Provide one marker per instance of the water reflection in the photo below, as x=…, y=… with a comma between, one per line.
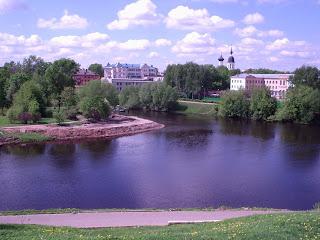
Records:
x=97, y=148
x=294, y=133
x=27, y=150
x=63, y=154
x=189, y=138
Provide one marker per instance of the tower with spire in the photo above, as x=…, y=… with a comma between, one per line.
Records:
x=220, y=59
x=231, y=62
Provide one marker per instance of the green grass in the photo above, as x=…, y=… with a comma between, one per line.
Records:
x=198, y=108
x=277, y=226
x=27, y=137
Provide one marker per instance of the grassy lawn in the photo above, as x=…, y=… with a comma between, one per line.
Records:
x=198, y=108
x=277, y=226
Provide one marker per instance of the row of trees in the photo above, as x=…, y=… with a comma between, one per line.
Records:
x=194, y=81
x=152, y=96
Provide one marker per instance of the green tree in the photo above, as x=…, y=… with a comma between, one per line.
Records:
x=129, y=98
x=97, y=68
x=234, y=104
x=70, y=101
x=95, y=108
x=34, y=64
x=28, y=104
x=262, y=104
x=302, y=105
x=15, y=82
x=4, y=75
x=307, y=76
x=60, y=75
x=104, y=90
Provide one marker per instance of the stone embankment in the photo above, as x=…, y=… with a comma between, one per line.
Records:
x=115, y=127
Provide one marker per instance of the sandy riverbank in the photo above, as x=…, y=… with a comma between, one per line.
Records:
x=115, y=127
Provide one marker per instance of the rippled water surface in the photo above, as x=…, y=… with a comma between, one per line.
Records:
x=193, y=162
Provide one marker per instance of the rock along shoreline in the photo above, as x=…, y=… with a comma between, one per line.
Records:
x=117, y=126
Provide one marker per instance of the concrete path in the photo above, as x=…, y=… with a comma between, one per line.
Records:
x=127, y=219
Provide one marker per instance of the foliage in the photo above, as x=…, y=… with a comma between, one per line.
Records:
x=101, y=89
x=193, y=80
x=293, y=226
x=97, y=68
x=234, y=104
x=302, y=104
x=95, y=108
x=30, y=137
x=28, y=104
x=69, y=102
x=129, y=98
x=199, y=108
x=153, y=96
x=4, y=75
x=34, y=65
x=59, y=116
x=263, y=71
x=15, y=82
x=60, y=75
x=307, y=76
x=262, y=105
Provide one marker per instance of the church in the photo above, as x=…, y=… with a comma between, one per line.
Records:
x=231, y=62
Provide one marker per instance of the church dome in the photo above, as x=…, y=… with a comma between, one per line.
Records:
x=221, y=59
x=231, y=59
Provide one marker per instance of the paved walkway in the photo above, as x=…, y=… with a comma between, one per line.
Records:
x=126, y=219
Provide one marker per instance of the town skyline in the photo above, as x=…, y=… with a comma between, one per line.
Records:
x=162, y=33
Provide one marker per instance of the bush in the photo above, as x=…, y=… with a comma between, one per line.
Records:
x=59, y=116
x=262, y=105
x=302, y=104
x=95, y=108
x=129, y=98
x=234, y=104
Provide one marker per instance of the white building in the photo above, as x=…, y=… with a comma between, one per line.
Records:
x=277, y=83
x=123, y=75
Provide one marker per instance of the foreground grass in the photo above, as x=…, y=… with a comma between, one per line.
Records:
x=25, y=137
x=277, y=226
x=199, y=108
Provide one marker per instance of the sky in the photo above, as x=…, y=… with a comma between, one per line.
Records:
x=277, y=34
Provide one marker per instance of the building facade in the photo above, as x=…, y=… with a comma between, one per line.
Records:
x=277, y=83
x=83, y=76
x=124, y=75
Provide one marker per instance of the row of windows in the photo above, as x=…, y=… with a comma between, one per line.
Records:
x=281, y=82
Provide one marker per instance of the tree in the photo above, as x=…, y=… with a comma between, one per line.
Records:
x=94, y=102
x=302, y=105
x=263, y=71
x=262, y=105
x=234, y=104
x=102, y=89
x=129, y=98
x=69, y=100
x=28, y=104
x=60, y=75
x=15, y=82
x=97, y=68
x=34, y=64
x=95, y=108
x=4, y=75
x=307, y=76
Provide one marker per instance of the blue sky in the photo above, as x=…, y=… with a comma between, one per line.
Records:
x=278, y=34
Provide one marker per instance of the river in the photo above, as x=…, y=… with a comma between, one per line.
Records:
x=191, y=163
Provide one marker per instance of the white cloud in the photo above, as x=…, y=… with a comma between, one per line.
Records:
x=246, y=32
x=12, y=40
x=134, y=44
x=65, y=22
x=194, y=43
x=254, y=18
x=251, y=41
x=87, y=41
x=9, y=5
x=253, y=31
x=153, y=55
x=278, y=44
x=186, y=18
x=162, y=42
x=141, y=12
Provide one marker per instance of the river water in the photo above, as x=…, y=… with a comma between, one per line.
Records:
x=192, y=162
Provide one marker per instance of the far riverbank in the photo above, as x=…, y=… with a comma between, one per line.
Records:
x=115, y=127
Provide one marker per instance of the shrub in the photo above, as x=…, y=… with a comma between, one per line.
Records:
x=262, y=104
x=129, y=98
x=95, y=108
x=59, y=116
x=234, y=104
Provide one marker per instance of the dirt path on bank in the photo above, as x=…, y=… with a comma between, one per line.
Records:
x=128, y=219
x=116, y=127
